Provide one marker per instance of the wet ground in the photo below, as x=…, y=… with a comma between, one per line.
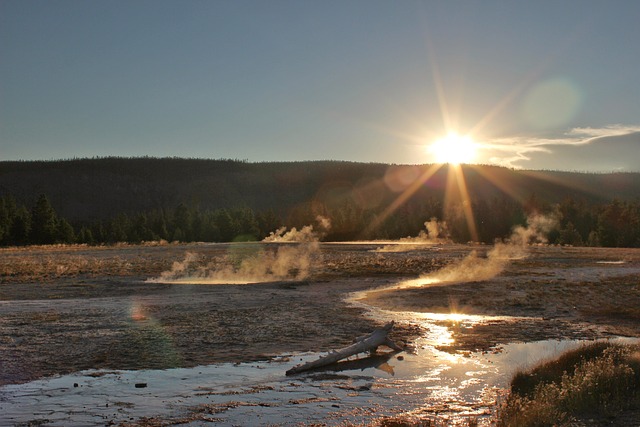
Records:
x=64, y=310
x=424, y=384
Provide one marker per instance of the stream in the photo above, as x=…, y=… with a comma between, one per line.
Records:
x=423, y=382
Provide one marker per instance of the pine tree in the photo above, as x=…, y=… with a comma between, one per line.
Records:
x=85, y=236
x=226, y=225
x=5, y=225
x=43, y=222
x=20, y=227
x=65, y=232
x=182, y=220
x=268, y=221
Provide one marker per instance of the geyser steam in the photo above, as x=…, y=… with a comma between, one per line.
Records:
x=244, y=265
x=285, y=263
x=305, y=234
x=435, y=232
x=475, y=268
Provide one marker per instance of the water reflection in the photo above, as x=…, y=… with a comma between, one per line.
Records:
x=439, y=327
x=429, y=383
x=378, y=361
x=457, y=384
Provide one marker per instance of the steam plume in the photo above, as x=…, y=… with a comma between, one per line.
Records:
x=288, y=262
x=305, y=234
x=435, y=232
x=285, y=263
x=475, y=268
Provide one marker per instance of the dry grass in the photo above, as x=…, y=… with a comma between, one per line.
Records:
x=48, y=264
x=596, y=381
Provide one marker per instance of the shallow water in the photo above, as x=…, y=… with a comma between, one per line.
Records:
x=425, y=382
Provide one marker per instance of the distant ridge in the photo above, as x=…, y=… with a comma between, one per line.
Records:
x=89, y=189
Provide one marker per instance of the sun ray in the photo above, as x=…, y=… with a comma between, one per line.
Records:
x=457, y=193
x=466, y=201
x=403, y=197
x=437, y=82
x=456, y=183
x=503, y=184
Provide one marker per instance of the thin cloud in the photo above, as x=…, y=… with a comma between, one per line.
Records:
x=612, y=130
x=521, y=152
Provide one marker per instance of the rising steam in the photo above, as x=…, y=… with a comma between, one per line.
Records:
x=285, y=263
x=305, y=234
x=476, y=268
x=435, y=232
x=288, y=262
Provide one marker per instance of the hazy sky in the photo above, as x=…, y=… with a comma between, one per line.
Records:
x=539, y=84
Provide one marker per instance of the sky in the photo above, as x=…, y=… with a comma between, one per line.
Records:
x=535, y=85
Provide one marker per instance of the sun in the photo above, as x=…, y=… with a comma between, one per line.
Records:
x=453, y=149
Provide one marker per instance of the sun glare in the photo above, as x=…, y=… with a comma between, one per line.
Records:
x=454, y=149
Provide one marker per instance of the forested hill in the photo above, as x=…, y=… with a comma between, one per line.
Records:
x=91, y=189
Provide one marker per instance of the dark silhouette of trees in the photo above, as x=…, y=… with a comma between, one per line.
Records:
x=619, y=224
x=105, y=201
x=44, y=222
x=64, y=232
x=20, y=227
x=616, y=223
x=85, y=235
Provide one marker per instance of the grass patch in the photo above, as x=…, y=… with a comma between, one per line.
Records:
x=596, y=381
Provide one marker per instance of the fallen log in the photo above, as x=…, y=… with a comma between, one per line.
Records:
x=368, y=343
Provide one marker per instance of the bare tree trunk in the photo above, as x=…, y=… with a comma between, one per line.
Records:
x=367, y=343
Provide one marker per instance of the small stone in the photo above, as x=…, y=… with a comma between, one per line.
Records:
x=400, y=357
x=141, y=385
x=75, y=384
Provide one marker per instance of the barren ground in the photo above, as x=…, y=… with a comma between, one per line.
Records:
x=64, y=309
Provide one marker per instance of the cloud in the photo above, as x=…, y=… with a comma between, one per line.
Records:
x=613, y=130
x=605, y=149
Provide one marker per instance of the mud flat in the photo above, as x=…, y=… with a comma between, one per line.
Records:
x=78, y=315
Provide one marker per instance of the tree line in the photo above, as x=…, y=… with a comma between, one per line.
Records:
x=101, y=188
x=611, y=224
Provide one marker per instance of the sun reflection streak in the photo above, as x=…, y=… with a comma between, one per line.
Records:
x=441, y=336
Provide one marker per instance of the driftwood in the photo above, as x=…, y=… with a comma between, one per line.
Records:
x=367, y=343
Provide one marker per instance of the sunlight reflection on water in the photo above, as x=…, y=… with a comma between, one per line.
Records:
x=459, y=384
x=426, y=382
